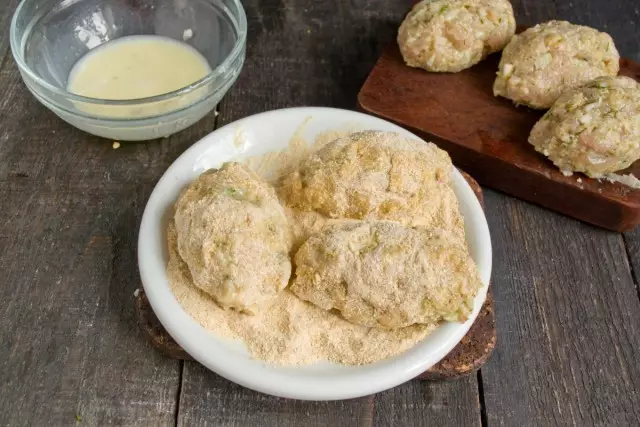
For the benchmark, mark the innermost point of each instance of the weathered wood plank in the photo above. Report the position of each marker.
(6, 13)
(68, 230)
(71, 208)
(632, 243)
(310, 53)
(423, 403)
(336, 44)
(567, 310)
(568, 321)
(208, 399)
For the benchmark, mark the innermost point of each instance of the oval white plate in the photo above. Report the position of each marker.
(272, 131)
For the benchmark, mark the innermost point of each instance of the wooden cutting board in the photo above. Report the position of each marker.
(472, 352)
(487, 137)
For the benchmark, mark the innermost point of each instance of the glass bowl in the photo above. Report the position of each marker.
(49, 36)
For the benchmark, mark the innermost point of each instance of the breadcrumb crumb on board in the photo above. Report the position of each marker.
(629, 180)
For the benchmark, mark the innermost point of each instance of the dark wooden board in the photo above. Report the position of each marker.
(568, 316)
(487, 136)
(565, 306)
(70, 211)
(6, 12)
(413, 404)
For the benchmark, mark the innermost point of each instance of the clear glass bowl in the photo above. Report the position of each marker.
(49, 36)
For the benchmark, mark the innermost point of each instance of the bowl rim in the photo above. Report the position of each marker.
(240, 21)
(217, 354)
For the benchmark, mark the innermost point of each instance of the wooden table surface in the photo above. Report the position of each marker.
(566, 293)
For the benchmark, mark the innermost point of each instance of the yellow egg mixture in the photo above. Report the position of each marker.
(137, 67)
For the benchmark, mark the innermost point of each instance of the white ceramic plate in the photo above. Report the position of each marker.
(252, 136)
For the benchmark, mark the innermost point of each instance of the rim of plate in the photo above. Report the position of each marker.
(229, 359)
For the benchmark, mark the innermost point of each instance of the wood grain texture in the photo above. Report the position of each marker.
(314, 53)
(309, 53)
(209, 400)
(632, 244)
(488, 137)
(423, 403)
(567, 308)
(71, 207)
(6, 13)
(569, 322)
(571, 307)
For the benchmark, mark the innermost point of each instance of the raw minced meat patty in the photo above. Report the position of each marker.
(594, 129)
(545, 60)
(452, 35)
